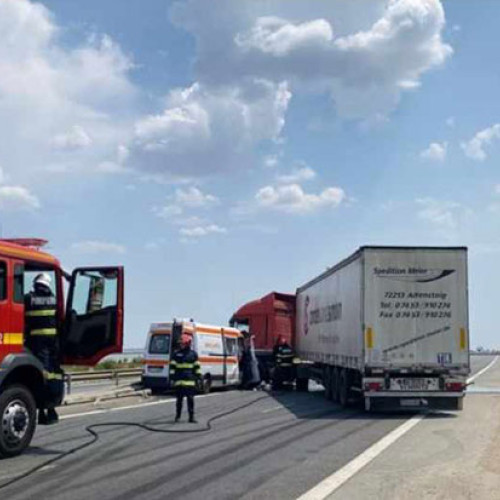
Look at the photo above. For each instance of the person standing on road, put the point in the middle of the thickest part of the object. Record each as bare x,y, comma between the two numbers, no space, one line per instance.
283,363
185,372
42,339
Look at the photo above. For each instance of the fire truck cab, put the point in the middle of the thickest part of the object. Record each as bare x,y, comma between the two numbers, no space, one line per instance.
90,326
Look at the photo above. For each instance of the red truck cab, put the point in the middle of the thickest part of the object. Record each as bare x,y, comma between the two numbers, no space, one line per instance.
90,326
267,319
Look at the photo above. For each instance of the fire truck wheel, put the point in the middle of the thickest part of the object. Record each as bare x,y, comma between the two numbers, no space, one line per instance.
17,420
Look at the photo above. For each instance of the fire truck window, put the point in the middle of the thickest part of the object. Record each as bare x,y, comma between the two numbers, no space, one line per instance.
3,280
31,274
94,292
18,284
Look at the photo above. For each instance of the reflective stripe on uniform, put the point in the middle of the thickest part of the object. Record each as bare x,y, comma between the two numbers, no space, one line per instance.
184,383
48,332
52,375
41,313
184,366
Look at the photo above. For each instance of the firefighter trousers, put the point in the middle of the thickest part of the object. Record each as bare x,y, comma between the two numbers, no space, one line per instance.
188,393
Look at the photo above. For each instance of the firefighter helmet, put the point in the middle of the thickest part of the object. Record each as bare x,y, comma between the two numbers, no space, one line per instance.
42,279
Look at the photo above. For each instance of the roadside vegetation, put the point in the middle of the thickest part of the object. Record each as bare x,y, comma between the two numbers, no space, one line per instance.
111,364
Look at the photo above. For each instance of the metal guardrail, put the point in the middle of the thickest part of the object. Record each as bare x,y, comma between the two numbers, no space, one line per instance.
113,375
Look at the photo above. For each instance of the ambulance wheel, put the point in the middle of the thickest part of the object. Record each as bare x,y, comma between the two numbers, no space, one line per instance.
206,384
17,420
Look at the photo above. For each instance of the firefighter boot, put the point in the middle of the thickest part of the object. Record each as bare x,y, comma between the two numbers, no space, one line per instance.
52,416
192,420
42,417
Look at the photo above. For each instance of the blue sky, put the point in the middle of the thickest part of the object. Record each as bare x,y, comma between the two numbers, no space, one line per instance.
220,150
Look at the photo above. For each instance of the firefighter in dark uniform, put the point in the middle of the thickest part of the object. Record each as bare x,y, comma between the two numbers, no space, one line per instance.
283,363
185,372
42,339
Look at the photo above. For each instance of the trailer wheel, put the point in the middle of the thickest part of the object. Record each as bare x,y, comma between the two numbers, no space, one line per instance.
17,420
344,389
302,385
327,382
336,384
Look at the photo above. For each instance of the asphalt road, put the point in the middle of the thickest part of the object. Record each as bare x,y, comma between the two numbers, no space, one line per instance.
456,456
279,447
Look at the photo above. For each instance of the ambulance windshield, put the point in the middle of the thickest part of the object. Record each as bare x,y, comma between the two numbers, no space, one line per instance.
160,344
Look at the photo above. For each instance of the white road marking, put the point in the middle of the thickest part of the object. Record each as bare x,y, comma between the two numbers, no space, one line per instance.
131,407
480,372
332,483
276,408
338,478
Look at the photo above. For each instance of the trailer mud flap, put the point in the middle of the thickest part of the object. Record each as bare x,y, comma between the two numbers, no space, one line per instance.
416,403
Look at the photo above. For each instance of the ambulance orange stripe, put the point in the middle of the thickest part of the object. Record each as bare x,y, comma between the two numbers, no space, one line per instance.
213,331
215,360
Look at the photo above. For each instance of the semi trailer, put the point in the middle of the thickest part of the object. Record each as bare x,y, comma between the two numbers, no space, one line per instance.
387,326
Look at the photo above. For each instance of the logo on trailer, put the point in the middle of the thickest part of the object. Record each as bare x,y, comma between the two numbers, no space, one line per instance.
412,274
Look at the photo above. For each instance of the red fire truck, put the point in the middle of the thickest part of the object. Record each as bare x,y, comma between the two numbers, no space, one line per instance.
90,326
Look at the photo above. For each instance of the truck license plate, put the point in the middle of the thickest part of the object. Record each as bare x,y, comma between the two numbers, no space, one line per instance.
414,384
411,403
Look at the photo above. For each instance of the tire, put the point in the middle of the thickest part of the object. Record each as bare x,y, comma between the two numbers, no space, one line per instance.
327,383
17,420
302,385
206,385
334,382
344,389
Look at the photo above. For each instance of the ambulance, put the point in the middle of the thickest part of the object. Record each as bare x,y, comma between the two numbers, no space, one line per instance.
218,349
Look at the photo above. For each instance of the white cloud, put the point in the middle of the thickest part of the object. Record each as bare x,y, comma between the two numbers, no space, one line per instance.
292,199
365,54
435,152
70,105
277,37
75,138
97,247
13,198
207,129
443,214
474,148
303,173
194,197
271,161
200,231
189,198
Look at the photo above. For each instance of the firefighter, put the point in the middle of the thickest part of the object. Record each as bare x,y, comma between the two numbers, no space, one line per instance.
185,372
283,363
42,339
